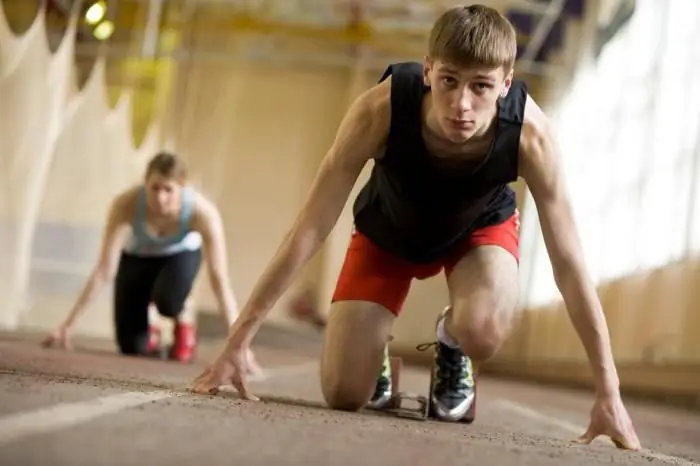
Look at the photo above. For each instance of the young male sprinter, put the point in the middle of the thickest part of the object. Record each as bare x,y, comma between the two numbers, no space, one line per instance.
446,137
152,248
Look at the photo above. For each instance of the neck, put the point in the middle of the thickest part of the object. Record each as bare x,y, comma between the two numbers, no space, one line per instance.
486,130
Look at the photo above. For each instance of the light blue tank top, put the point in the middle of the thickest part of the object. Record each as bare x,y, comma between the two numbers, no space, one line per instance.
141,243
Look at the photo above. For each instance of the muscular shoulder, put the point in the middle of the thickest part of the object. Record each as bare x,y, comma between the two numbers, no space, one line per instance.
365,127
204,212
373,108
536,134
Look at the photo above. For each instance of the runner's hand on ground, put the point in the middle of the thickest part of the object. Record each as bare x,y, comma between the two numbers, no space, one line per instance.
59,338
229,369
609,417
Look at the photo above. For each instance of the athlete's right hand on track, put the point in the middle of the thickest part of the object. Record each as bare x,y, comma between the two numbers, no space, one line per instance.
230,368
59,338
609,417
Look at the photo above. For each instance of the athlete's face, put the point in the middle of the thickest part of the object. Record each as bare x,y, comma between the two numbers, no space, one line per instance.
163,194
464,100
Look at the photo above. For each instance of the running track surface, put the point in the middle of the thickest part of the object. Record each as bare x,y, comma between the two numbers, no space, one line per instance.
92,407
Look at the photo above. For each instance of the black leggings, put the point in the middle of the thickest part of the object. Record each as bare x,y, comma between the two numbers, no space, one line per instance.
165,281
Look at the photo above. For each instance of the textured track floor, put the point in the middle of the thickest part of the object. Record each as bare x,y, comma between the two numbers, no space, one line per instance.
91,407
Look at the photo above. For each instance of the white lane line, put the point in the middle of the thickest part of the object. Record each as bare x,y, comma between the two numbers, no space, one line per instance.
533,414
536,415
60,416
15,427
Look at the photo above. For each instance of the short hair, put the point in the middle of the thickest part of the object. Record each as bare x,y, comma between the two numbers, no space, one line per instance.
474,35
168,165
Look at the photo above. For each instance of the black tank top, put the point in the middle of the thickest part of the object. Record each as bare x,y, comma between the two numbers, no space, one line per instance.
411,207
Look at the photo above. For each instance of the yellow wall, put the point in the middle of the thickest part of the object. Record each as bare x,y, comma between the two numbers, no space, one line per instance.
254,140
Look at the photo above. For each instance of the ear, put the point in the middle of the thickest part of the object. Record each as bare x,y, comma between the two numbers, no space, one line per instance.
427,67
507,82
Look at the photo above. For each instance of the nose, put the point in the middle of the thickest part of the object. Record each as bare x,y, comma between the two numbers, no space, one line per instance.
162,197
464,100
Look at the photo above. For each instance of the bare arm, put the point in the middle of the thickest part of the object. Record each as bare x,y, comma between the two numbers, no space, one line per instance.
540,166
106,266
360,137
208,222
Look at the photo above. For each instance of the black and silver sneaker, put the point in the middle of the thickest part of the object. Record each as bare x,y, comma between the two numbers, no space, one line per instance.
382,392
452,390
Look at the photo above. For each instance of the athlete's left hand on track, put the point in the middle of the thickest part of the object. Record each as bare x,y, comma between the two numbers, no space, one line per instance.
59,338
228,369
609,417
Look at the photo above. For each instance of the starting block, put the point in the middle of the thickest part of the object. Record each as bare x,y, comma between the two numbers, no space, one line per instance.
397,405
415,406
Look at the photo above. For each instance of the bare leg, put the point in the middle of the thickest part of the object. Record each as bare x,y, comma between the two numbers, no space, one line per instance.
484,291
483,294
354,341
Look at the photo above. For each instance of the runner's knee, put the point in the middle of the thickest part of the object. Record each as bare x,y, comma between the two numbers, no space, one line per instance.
175,282
132,343
484,294
346,393
168,305
354,341
480,338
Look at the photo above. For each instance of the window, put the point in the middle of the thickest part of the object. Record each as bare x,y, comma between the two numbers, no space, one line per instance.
629,131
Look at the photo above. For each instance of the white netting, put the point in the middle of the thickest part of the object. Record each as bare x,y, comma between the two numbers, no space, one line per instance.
64,154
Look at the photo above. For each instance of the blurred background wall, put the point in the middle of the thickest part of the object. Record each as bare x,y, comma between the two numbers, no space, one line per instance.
251,93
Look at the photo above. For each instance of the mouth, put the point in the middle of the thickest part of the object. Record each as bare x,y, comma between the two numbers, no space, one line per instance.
461,124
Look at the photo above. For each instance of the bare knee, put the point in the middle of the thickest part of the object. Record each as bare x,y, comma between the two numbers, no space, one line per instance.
345,393
479,337
484,295
354,341
481,323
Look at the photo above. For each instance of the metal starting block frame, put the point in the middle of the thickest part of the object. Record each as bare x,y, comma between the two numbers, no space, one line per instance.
397,405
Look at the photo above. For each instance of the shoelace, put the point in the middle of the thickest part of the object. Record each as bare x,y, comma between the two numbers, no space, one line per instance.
450,364
426,346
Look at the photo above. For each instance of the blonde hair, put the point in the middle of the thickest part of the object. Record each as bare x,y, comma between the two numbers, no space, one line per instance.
474,35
